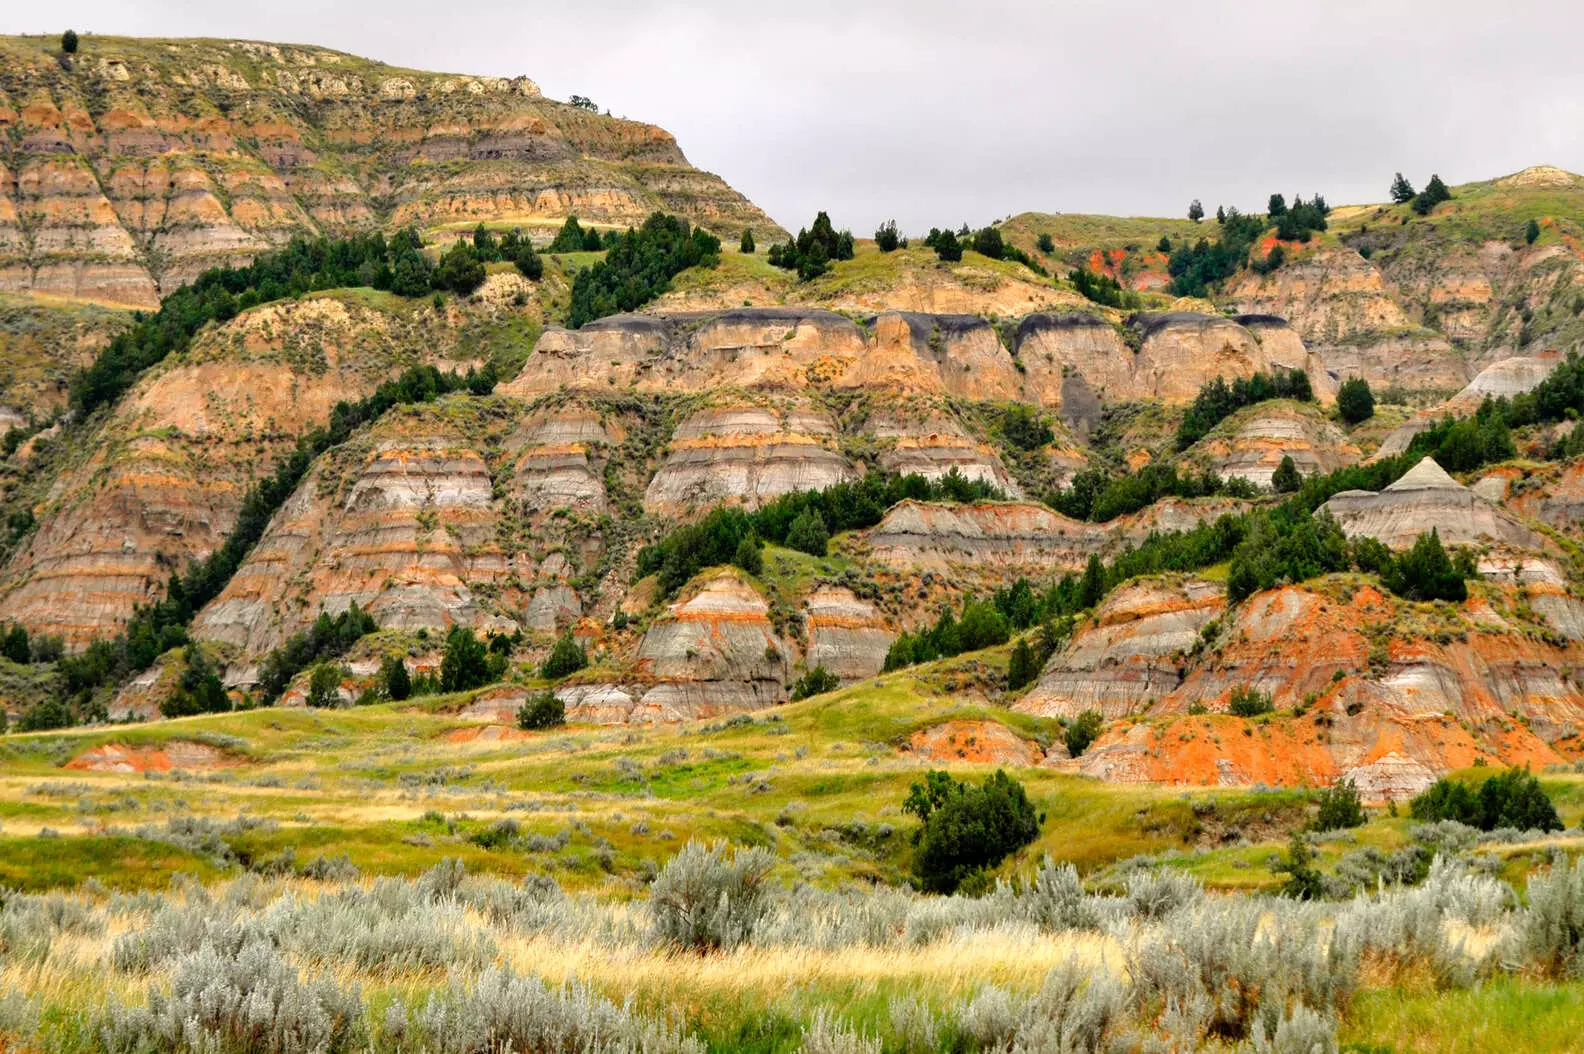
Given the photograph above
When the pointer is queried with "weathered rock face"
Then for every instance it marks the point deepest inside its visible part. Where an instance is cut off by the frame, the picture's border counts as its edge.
(973, 742)
(403, 523)
(746, 455)
(147, 161)
(1497, 694)
(1251, 445)
(1069, 362)
(1425, 499)
(846, 635)
(1182, 352)
(778, 348)
(1073, 363)
(1129, 656)
(1352, 320)
(957, 355)
(553, 469)
(933, 444)
(1555, 497)
(163, 480)
(1012, 536)
(713, 653)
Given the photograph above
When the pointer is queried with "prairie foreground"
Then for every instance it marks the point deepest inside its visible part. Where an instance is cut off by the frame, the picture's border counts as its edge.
(387, 879)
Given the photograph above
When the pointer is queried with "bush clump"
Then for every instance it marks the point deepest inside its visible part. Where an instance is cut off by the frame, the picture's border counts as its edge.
(702, 900)
(966, 829)
(566, 658)
(540, 712)
(1246, 701)
(1340, 807)
(1513, 798)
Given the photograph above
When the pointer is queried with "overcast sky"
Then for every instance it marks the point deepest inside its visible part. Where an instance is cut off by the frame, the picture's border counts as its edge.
(938, 112)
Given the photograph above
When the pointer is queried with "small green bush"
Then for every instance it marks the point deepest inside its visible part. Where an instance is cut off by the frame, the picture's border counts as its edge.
(817, 681)
(540, 712)
(1513, 798)
(1249, 702)
(1340, 807)
(966, 829)
(567, 657)
(1082, 731)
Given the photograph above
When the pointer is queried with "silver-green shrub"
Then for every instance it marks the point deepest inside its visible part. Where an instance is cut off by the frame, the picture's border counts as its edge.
(824, 1034)
(505, 1012)
(703, 900)
(1550, 933)
(250, 1001)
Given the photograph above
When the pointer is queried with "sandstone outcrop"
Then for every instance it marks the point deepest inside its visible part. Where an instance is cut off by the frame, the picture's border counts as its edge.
(934, 444)
(1182, 352)
(746, 455)
(552, 470)
(141, 162)
(1425, 499)
(714, 652)
(1251, 445)
(846, 635)
(162, 481)
(1129, 655)
(403, 524)
(1008, 536)
(1492, 693)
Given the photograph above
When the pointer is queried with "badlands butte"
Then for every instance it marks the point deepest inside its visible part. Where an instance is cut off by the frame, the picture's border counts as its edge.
(1165, 570)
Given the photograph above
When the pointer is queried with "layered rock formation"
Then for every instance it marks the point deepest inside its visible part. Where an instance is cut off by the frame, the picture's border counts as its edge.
(403, 523)
(1251, 445)
(1130, 654)
(1497, 693)
(162, 481)
(553, 470)
(846, 635)
(713, 653)
(135, 164)
(1007, 536)
(746, 455)
(1181, 352)
(1427, 498)
(935, 444)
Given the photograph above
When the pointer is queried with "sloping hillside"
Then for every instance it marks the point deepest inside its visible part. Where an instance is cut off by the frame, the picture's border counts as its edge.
(136, 163)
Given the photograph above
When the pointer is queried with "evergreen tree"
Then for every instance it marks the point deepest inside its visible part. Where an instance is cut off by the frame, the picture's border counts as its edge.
(1195, 210)
(747, 245)
(570, 239)
(1426, 572)
(1046, 243)
(886, 237)
(1023, 668)
(1277, 207)
(1434, 193)
(1532, 233)
(1221, 216)
(68, 43)
(324, 686)
(398, 684)
(15, 646)
(1286, 479)
(1355, 401)
(460, 271)
(749, 557)
(1092, 590)
(1082, 731)
(808, 534)
(542, 711)
(465, 664)
(988, 242)
(1164, 245)
(967, 829)
(567, 657)
(1402, 191)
